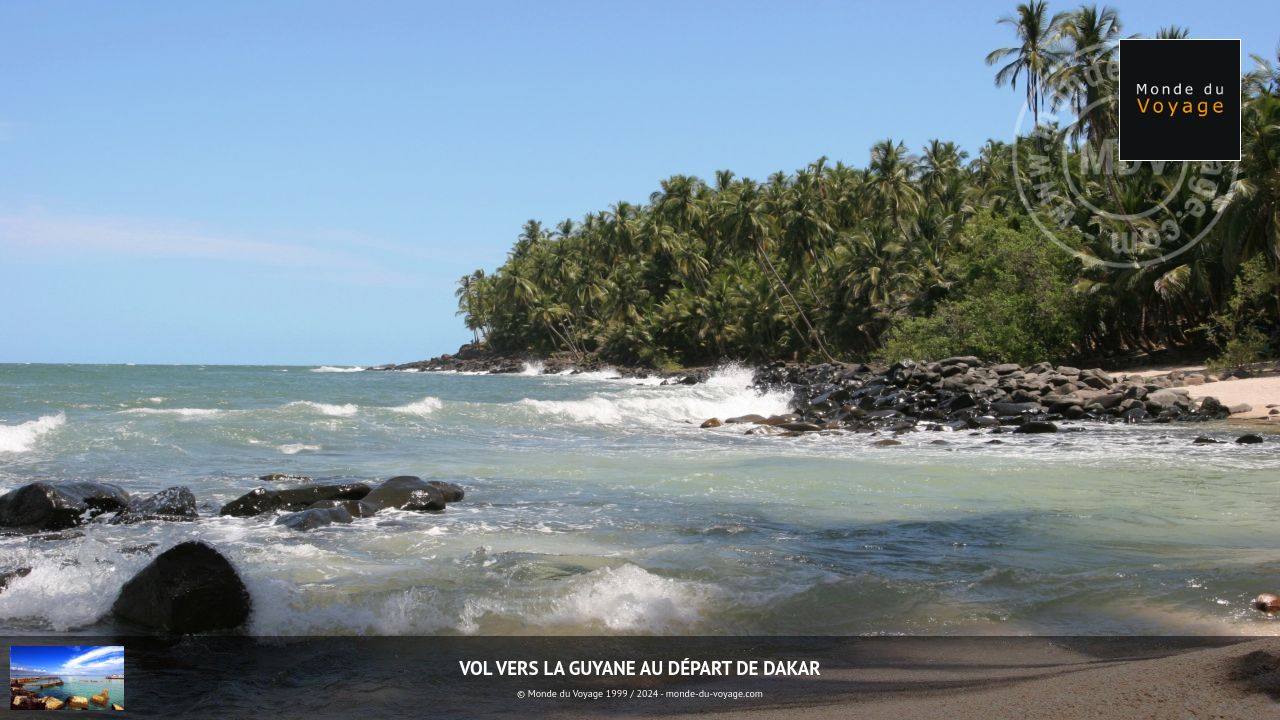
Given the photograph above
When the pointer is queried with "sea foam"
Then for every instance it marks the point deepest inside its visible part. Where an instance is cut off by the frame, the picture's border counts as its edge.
(728, 392)
(423, 407)
(332, 369)
(326, 408)
(21, 437)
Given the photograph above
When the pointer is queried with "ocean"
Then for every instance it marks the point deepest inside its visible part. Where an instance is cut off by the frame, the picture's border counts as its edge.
(596, 505)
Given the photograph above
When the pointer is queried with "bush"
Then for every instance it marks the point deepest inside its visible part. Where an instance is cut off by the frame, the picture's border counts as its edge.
(1012, 301)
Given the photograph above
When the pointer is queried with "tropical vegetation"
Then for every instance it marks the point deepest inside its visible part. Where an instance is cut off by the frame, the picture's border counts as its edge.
(925, 254)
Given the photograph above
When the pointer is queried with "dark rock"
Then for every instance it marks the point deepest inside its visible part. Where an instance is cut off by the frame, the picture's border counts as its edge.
(356, 508)
(1006, 368)
(1250, 439)
(315, 517)
(1036, 426)
(261, 500)
(752, 418)
(406, 492)
(189, 588)
(283, 477)
(58, 505)
(1205, 440)
(452, 492)
(1004, 408)
(800, 426)
(887, 442)
(711, 423)
(171, 504)
(8, 574)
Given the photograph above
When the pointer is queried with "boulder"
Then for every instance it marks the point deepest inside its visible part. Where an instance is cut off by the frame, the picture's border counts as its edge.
(452, 492)
(315, 517)
(1250, 439)
(887, 442)
(800, 426)
(752, 418)
(58, 505)
(117, 706)
(1267, 602)
(1009, 408)
(711, 423)
(79, 702)
(189, 588)
(1204, 440)
(171, 504)
(406, 492)
(1240, 408)
(262, 500)
(52, 703)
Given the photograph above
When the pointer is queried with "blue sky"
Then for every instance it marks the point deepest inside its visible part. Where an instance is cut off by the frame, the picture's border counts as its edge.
(302, 182)
(66, 660)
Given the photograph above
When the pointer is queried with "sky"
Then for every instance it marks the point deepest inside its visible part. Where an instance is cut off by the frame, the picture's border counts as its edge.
(66, 660)
(284, 182)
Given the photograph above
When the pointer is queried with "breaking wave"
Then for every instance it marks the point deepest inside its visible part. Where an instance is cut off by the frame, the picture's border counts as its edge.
(728, 392)
(21, 437)
(326, 408)
(181, 412)
(423, 407)
(332, 369)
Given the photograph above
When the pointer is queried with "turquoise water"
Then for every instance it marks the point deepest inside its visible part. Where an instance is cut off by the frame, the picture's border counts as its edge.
(596, 505)
(87, 688)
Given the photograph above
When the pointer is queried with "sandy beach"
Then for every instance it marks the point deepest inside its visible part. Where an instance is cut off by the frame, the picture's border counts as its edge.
(1050, 680)
(1262, 394)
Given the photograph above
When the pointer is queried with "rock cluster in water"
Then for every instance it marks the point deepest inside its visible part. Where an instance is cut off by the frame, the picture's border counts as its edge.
(964, 393)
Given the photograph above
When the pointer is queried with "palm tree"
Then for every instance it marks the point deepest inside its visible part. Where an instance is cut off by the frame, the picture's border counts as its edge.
(1035, 54)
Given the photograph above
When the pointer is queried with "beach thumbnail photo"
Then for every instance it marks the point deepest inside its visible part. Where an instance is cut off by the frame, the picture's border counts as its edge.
(66, 677)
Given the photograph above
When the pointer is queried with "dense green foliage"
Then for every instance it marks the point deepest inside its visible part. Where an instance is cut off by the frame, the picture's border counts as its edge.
(915, 255)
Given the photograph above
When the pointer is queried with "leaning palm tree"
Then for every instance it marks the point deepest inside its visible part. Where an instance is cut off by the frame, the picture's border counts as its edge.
(1034, 56)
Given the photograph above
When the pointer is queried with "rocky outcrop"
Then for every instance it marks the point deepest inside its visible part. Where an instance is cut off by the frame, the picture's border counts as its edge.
(173, 504)
(262, 500)
(57, 505)
(961, 393)
(479, 358)
(189, 588)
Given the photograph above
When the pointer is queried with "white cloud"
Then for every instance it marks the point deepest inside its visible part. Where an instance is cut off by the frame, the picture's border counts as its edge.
(105, 659)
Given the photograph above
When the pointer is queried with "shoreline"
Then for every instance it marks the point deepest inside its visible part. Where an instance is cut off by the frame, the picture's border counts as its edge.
(958, 393)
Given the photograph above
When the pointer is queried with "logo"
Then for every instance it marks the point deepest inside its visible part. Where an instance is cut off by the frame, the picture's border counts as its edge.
(1084, 198)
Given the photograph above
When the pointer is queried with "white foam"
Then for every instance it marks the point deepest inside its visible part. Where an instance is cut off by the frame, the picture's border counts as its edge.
(326, 408)
(423, 407)
(728, 392)
(181, 412)
(533, 367)
(295, 448)
(157, 399)
(629, 599)
(332, 369)
(21, 437)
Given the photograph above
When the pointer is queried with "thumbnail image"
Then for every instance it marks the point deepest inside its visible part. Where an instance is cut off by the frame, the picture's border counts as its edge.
(66, 677)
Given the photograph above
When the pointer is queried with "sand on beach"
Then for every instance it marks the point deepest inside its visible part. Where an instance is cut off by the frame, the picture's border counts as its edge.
(1054, 681)
(1257, 392)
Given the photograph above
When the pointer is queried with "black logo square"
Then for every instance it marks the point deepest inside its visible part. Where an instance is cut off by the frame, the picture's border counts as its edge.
(1179, 100)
